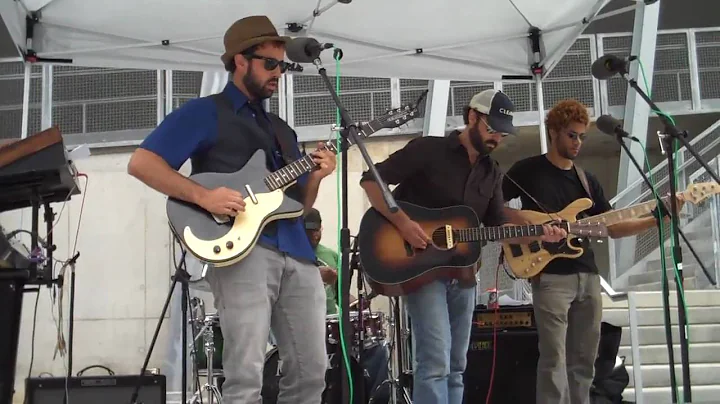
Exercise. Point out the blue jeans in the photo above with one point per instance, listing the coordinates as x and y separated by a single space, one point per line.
441 319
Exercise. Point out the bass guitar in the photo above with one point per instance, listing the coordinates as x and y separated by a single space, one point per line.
393 267
526 261
222 240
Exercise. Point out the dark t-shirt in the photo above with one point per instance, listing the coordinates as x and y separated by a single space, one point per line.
555 188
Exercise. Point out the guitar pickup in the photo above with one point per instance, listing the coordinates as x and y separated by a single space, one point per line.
516 250
534 247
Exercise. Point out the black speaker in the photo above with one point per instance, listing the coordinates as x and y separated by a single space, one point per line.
95 390
515 367
11 297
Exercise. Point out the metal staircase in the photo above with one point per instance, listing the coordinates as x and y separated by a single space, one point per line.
635 268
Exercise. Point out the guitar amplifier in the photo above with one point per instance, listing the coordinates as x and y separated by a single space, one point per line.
507 318
515 366
95 390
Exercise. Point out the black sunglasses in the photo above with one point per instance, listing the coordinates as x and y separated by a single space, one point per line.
576 136
272 63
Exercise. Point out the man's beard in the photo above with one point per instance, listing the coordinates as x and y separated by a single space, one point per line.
257 91
477 142
564 153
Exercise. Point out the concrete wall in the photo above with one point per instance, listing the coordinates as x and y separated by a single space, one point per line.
123 273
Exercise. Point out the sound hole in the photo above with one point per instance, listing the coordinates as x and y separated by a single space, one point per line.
439 238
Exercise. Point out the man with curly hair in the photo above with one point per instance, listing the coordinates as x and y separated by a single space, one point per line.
566 295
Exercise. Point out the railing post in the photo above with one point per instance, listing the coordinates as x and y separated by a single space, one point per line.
635 348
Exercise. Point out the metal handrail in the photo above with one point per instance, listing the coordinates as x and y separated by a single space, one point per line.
634 334
663 164
681 167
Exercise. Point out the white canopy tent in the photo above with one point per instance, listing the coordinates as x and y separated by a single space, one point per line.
454 39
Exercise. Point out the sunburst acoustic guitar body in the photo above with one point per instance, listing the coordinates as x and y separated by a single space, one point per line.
528 260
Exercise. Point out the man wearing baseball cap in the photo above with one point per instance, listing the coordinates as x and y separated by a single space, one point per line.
438 172
276 286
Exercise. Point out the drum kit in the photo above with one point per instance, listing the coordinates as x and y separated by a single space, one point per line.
378 330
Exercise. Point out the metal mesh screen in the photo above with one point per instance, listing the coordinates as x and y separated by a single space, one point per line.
12 80
365 98
617 86
571 77
185 86
708 55
671 79
89 100
522 95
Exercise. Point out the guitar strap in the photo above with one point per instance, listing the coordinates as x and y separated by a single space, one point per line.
286 147
583 179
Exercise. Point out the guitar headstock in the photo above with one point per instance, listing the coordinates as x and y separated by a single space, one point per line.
696 193
587 229
400 116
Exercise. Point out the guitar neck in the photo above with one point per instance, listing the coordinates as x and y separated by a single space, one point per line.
474 234
617 216
291 172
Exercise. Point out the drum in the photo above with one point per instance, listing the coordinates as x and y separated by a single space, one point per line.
374 324
213 322
333 388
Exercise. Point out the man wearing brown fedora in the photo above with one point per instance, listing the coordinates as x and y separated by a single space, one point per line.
277 286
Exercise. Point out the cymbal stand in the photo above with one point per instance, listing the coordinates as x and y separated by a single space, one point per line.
208 335
400 368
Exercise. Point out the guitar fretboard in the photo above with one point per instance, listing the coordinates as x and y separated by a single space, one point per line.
294 170
616 216
496 233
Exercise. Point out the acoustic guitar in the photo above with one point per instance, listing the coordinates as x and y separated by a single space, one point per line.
393 267
222 240
526 261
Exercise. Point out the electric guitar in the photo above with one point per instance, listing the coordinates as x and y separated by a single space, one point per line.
393 267
223 240
526 261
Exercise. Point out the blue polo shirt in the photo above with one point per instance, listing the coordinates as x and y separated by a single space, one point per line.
193 129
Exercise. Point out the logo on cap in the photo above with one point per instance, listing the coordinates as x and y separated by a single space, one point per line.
505 111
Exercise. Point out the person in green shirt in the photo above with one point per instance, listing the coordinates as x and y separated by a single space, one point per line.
375 358
327 259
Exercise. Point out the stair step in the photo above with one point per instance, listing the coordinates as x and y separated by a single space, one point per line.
656 316
663 395
704 251
653 299
689 282
701 374
655 275
655 335
705 352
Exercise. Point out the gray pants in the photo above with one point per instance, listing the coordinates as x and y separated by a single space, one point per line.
568 312
267 290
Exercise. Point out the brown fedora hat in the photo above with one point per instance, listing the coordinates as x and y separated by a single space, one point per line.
247 32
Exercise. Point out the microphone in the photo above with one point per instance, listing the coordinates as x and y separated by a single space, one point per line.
305 50
611 126
610 65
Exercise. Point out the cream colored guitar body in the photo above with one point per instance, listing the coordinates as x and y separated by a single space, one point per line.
534 257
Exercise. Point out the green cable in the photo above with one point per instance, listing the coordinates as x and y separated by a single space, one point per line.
338 168
661 235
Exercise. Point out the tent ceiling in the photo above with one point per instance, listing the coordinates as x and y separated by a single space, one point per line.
460 39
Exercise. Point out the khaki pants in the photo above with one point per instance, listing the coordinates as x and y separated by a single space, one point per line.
568 312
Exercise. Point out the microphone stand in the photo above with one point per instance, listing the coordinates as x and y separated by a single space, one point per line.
673 134
665 284
349 136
